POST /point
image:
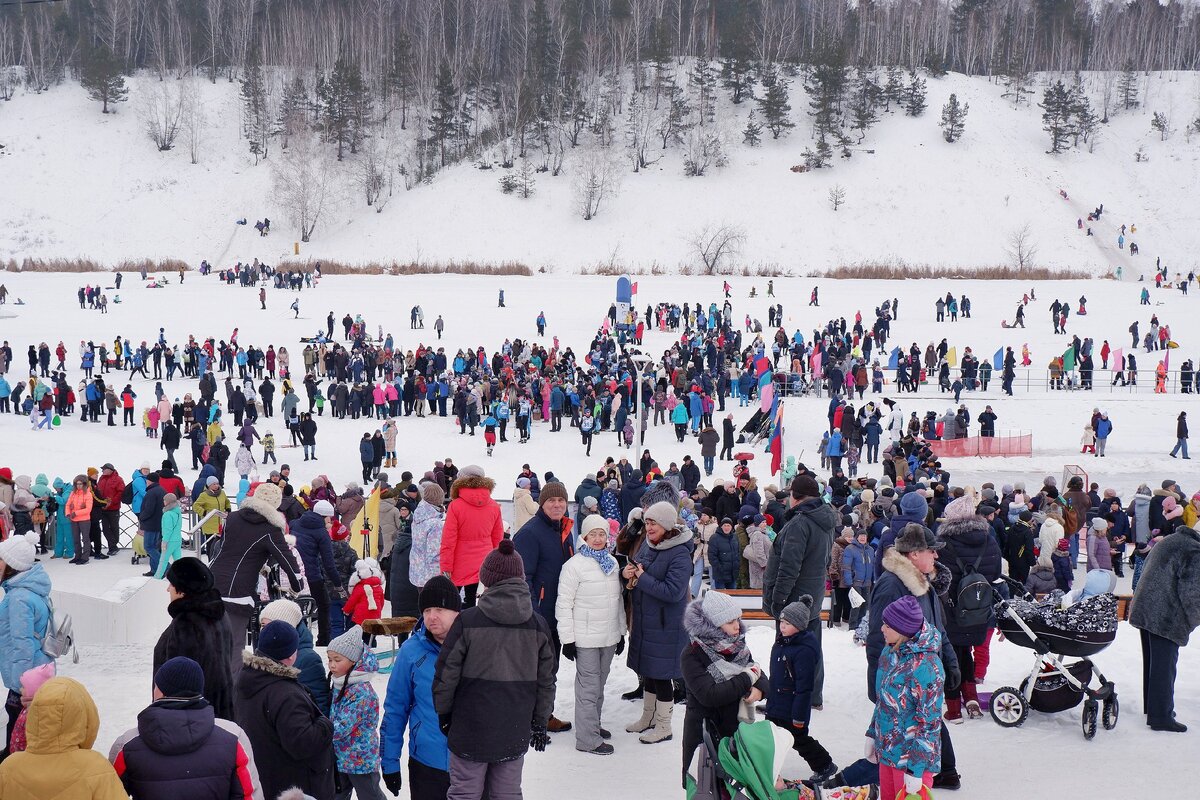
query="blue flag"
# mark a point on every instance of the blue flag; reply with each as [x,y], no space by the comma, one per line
[894,359]
[998,360]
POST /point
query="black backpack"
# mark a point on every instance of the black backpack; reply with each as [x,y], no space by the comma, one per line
[975,598]
[127,494]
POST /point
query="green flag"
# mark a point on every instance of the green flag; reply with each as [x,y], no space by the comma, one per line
[1069,359]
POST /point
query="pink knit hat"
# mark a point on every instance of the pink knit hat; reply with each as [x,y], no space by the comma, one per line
[32,679]
[962,508]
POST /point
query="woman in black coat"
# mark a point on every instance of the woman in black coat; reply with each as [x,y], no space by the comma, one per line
[199,630]
[969,543]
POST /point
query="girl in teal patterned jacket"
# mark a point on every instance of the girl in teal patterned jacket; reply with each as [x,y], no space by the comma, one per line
[905,732]
[355,715]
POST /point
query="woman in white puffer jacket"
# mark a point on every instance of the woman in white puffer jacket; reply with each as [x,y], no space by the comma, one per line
[591,626]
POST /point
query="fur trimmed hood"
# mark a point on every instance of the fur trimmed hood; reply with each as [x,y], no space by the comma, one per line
[1051,531]
[699,627]
[269,666]
[265,510]
[471,482]
[917,584]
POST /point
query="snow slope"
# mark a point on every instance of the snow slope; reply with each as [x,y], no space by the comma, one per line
[915,199]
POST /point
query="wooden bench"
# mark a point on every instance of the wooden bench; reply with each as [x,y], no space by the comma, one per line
[751,602]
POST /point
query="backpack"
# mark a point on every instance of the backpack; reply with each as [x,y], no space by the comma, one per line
[127,494]
[59,639]
[975,598]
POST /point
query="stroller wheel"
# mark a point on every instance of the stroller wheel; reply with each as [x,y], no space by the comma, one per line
[1090,709]
[1008,707]
[1112,710]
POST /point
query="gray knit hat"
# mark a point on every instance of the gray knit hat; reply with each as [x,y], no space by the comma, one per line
[349,644]
[798,613]
[665,514]
[720,607]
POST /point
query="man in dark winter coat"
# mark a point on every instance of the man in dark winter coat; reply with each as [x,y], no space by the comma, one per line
[913,508]
[969,545]
[799,560]
[689,475]
[150,520]
[199,630]
[1166,609]
[316,551]
[253,535]
[631,494]
[493,686]
[1169,489]
[588,487]
[180,747]
[292,739]
[911,567]
[545,544]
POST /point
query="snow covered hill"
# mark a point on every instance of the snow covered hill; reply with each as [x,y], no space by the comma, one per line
[81,184]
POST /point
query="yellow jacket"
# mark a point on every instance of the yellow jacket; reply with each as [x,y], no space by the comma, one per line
[205,503]
[60,763]
[1189,515]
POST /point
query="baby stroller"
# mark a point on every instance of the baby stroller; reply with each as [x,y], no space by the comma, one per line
[745,767]
[1054,634]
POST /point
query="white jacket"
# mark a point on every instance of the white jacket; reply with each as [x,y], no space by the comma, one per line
[524,507]
[589,608]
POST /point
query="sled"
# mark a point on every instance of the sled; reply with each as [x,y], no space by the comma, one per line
[1172,344]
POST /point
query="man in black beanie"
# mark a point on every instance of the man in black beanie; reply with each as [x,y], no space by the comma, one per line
[409,700]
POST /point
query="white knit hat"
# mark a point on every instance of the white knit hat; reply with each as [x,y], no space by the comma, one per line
[19,551]
[324,508]
[283,611]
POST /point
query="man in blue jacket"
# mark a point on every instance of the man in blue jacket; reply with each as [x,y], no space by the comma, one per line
[409,700]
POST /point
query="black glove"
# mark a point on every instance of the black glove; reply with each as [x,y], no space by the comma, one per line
[953,680]
[539,739]
[569,651]
[621,646]
[392,781]
[444,723]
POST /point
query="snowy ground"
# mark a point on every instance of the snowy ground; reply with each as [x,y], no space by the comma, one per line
[1144,431]
[909,195]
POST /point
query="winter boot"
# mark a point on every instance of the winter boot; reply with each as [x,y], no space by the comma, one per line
[661,732]
[953,713]
[643,722]
[635,693]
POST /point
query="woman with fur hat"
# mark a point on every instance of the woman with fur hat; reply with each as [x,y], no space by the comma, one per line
[723,682]
[969,546]
[658,575]
[591,626]
[474,527]
[24,616]
[199,630]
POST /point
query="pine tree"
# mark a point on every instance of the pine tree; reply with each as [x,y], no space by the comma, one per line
[826,86]
[398,80]
[101,76]
[1084,121]
[773,105]
[1017,83]
[1127,88]
[345,106]
[864,97]
[914,95]
[703,80]
[1160,123]
[1056,115]
[893,91]
[737,55]
[752,134]
[954,119]
[675,122]
[293,111]
[256,123]
[442,120]
[818,157]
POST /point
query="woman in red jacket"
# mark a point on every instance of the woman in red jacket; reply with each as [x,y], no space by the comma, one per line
[474,527]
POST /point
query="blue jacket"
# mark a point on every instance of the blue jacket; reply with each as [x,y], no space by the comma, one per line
[556,398]
[199,485]
[315,548]
[544,546]
[1063,575]
[724,558]
[24,615]
[793,668]
[631,498]
[1103,428]
[858,567]
[366,451]
[139,491]
[907,722]
[409,704]
[835,444]
[312,669]
[659,599]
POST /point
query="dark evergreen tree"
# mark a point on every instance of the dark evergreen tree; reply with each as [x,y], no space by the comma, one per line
[865,96]
[101,76]
[954,119]
[256,122]
[1084,121]
[914,95]
[752,134]
[826,87]
[893,91]
[294,108]
[443,118]
[703,80]
[737,54]
[819,155]
[1056,115]
[773,105]
[1127,88]
[345,106]
[398,80]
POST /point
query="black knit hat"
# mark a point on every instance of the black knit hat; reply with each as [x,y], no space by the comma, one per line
[439,592]
[180,677]
[501,564]
[190,575]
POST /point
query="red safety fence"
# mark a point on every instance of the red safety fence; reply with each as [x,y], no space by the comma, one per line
[1015,444]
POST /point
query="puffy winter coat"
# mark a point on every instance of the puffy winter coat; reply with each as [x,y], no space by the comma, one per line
[366,600]
[799,556]
[858,568]
[967,540]
[199,630]
[205,502]
[473,528]
[315,548]
[254,533]
[291,738]
[179,749]
[907,723]
[657,634]
[24,615]
[757,555]
[724,558]
[390,524]
[589,611]
[409,705]
[355,715]
[312,669]
[79,505]
[1041,580]
[59,762]
[1167,600]
[1048,536]
[424,560]
[495,675]
[524,507]
[544,546]
[793,668]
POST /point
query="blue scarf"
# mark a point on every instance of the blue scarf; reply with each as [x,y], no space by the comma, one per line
[602,557]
